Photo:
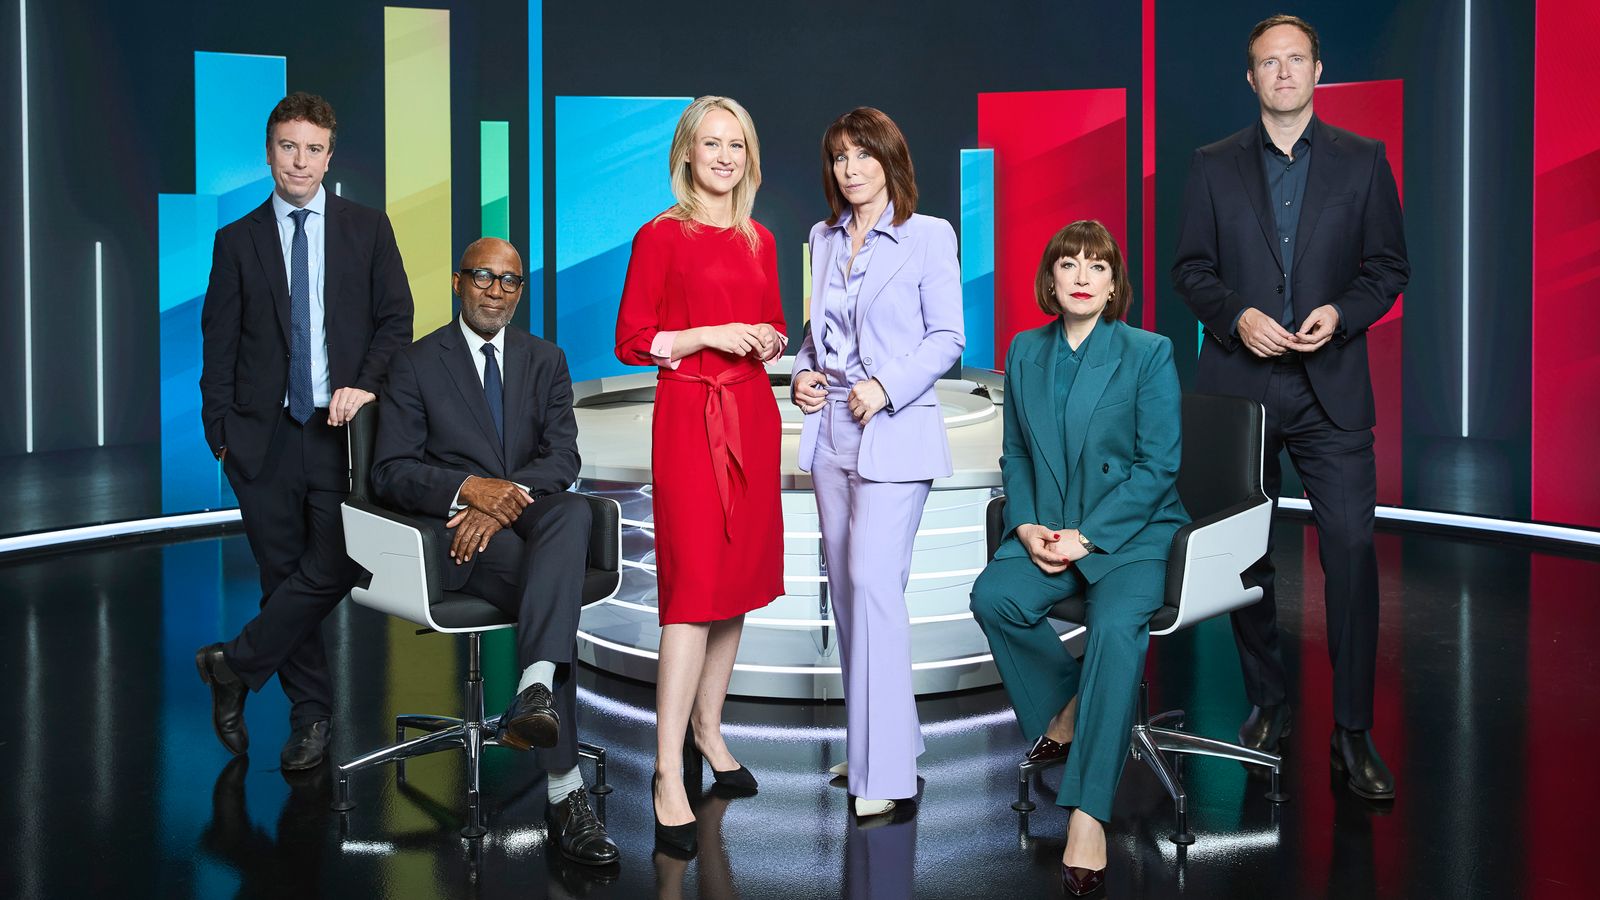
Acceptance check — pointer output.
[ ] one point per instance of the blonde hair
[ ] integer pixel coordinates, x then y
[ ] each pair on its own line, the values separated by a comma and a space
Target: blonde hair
689, 206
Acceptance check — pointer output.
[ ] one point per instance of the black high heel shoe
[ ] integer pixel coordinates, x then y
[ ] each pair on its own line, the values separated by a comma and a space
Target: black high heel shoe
678, 838
739, 781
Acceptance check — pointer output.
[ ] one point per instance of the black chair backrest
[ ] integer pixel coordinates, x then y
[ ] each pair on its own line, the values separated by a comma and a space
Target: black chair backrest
362, 435
1221, 453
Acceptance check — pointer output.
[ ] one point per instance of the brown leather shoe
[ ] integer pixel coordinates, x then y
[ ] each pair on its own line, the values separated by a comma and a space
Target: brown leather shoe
1081, 882
1046, 751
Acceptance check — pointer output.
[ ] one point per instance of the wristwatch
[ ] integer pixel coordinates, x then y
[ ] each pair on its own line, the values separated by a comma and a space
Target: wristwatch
1087, 544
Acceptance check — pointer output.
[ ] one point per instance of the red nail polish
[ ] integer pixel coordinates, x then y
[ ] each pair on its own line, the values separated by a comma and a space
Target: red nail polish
1055, 537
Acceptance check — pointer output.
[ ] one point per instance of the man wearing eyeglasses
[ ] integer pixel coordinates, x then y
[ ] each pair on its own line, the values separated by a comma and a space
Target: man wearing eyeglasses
306, 303
476, 435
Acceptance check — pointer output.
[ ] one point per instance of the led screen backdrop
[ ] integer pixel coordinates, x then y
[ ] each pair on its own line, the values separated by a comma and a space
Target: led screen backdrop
139, 130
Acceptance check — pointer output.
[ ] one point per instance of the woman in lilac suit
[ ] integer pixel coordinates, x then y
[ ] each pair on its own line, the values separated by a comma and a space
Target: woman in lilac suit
885, 324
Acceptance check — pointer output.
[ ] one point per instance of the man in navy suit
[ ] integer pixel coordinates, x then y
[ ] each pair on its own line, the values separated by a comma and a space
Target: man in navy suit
476, 433
307, 301
1291, 246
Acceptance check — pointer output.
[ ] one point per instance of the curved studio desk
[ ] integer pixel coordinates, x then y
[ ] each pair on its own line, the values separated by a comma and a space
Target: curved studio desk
789, 649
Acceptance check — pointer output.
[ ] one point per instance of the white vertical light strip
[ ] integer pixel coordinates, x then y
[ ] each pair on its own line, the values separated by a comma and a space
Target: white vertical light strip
99, 345
1466, 208
27, 235
338, 189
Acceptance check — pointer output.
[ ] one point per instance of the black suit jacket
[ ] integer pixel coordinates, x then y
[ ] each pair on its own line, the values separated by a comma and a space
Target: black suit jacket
434, 427
245, 321
1350, 250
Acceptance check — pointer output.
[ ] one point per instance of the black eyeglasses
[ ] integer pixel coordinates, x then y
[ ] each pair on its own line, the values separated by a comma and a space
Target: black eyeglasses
510, 282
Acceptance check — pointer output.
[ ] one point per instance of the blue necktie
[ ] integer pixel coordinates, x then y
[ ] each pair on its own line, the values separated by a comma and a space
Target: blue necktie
493, 393
300, 404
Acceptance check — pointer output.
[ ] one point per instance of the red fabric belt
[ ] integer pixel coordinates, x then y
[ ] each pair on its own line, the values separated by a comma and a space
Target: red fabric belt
722, 430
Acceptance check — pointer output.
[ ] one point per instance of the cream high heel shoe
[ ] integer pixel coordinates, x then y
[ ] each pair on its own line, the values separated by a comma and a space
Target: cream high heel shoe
841, 769
865, 807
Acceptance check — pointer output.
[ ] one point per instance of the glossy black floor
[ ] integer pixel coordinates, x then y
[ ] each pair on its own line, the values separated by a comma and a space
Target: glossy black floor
1489, 706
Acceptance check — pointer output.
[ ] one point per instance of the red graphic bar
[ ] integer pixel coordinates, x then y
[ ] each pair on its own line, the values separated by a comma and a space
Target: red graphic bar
1376, 109
1059, 156
1566, 264
1147, 131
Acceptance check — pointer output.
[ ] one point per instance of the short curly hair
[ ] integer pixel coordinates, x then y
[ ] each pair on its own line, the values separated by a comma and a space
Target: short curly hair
308, 107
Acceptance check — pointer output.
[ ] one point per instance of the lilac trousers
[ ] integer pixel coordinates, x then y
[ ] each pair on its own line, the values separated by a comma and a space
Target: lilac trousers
868, 528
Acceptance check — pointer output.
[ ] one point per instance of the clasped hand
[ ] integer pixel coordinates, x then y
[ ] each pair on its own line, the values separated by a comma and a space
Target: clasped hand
492, 504
1052, 551
740, 339
1266, 338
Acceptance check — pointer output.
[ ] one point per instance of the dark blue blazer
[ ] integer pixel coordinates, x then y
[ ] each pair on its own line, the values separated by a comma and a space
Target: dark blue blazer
434, 427
1350, 251
245, 321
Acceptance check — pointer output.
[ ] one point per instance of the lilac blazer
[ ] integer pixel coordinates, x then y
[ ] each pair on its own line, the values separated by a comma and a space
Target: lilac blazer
908, 325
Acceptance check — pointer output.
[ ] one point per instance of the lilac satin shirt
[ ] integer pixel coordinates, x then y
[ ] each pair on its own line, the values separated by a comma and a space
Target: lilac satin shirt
841, 353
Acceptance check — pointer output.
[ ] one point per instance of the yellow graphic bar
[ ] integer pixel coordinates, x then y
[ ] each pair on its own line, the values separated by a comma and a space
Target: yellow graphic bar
416, 132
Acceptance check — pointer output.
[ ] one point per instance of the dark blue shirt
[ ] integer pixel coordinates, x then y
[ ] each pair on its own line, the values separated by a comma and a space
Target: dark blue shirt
1286, 188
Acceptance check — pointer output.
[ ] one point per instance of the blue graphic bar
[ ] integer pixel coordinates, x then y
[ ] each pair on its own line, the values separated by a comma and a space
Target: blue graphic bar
611, 178
977, 256
233, 94
533, 299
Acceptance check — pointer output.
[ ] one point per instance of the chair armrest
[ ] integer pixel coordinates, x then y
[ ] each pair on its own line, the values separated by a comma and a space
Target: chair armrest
400, 553
605, 533
1208, 558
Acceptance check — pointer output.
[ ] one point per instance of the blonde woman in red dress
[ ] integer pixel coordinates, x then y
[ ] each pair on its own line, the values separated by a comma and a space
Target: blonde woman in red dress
701, 304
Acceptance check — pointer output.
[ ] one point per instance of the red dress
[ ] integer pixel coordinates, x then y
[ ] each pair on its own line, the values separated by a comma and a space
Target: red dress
717, 433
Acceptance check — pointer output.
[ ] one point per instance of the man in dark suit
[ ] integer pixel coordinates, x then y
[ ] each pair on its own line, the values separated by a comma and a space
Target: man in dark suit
476, 432
307, 301
1291, 246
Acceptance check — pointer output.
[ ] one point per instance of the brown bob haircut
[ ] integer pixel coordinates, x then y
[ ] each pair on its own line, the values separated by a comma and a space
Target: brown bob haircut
1089, 239
876, 133
303, 106
1273, 22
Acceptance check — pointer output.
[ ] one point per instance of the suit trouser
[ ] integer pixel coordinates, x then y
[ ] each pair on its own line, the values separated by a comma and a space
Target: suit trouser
868, 529
292, 519
1010, 600
534, 570
1341, 481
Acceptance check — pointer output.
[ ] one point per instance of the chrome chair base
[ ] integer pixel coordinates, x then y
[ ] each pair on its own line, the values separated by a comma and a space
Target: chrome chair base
471, 734
1152, 740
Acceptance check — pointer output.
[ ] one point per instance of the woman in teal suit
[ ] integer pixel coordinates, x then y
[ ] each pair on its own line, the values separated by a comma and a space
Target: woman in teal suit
1090, 463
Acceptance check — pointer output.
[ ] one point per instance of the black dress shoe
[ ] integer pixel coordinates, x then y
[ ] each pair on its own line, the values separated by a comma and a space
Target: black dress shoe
579, 832
306, 747
1353, 753
1046, 751
1266, 727
676, 839
227, 698
530, 721
1081, 882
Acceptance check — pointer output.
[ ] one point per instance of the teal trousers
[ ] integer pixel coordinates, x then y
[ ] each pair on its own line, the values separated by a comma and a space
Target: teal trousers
1010, 600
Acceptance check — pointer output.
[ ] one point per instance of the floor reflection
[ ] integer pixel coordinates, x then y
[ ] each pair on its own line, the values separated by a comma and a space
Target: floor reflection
1487, 679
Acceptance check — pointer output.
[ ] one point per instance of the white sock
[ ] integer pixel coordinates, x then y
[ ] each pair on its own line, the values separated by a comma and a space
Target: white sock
564, 783
540, 672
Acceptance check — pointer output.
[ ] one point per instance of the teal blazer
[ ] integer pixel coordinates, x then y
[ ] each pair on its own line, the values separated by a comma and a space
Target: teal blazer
1116, 478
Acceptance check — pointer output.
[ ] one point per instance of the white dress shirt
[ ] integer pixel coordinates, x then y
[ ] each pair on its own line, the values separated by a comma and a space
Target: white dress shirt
316, 231
475, 345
